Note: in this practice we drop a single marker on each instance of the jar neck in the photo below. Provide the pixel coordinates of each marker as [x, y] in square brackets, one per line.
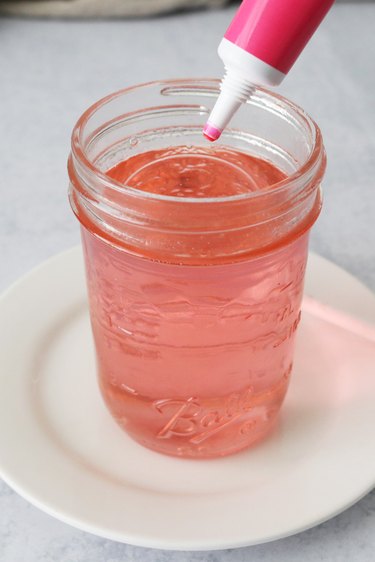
[187, 230]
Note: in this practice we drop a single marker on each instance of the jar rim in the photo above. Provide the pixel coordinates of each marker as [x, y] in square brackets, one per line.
[303, 171]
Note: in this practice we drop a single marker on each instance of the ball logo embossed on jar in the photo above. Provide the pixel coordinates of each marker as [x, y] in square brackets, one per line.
[196, 422]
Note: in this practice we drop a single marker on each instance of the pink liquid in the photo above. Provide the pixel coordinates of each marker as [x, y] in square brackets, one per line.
[194, 360]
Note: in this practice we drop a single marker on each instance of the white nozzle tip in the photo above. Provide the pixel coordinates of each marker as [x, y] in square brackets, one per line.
[211, 132]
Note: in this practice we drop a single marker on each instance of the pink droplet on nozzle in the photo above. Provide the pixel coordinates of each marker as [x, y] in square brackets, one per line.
[211, 133]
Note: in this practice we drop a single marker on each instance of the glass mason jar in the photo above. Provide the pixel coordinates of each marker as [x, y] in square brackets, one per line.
[194, 301]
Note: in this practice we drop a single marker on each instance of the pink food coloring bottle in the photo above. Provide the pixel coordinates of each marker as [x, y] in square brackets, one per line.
[259, 47]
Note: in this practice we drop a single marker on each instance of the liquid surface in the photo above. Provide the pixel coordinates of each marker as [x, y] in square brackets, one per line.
[194, 361]
[196, 172]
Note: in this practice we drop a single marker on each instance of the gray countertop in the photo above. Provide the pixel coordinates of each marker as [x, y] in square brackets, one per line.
[50, 72]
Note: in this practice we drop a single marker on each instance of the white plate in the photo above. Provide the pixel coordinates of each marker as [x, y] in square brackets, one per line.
[60, 449]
